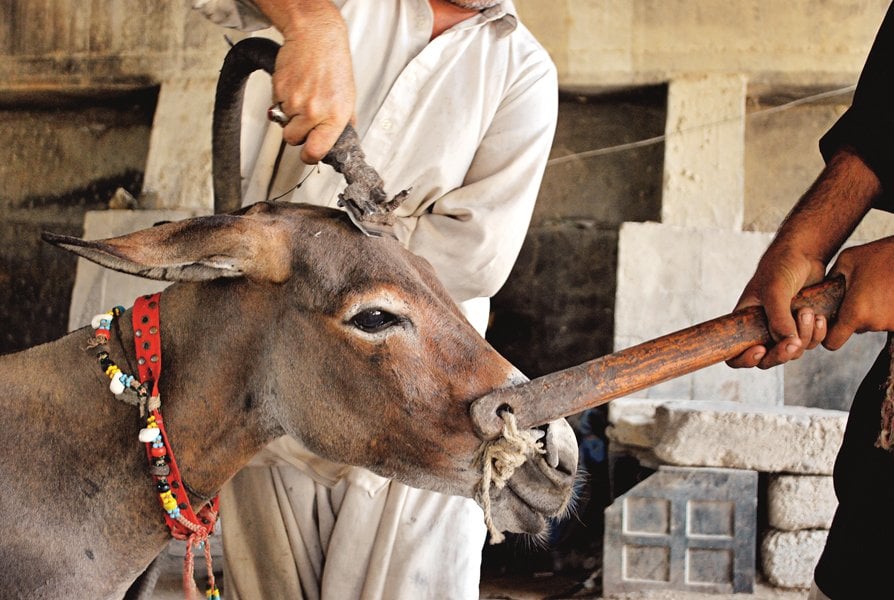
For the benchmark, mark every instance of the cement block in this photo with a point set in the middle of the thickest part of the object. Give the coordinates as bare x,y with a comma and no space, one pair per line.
774,439
797,502
683,529
98,289
670,278
788,557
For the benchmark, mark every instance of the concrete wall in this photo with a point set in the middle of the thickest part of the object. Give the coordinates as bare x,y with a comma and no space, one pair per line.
621,42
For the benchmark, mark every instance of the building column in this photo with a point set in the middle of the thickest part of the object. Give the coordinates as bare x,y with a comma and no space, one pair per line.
704,156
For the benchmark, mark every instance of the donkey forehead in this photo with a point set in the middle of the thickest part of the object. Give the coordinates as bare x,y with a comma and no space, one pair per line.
341,263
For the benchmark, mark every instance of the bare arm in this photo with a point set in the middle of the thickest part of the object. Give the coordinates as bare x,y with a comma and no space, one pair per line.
807,240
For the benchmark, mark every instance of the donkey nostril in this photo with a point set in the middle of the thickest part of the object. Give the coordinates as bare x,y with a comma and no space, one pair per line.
504,408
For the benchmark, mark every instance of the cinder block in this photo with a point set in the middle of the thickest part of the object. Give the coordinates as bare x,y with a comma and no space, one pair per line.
788,557
683,529
797,502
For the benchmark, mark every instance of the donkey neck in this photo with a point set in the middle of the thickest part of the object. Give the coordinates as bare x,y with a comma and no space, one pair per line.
207,384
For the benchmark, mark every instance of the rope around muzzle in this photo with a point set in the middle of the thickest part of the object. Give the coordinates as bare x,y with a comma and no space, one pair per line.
498,460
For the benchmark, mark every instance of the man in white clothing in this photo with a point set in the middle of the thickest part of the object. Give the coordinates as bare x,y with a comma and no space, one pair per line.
456,102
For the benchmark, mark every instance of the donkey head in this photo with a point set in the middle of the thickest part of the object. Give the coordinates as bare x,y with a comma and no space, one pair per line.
360,353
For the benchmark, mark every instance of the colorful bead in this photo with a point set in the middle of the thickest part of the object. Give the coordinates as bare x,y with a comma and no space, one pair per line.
116,387
102,321
157,452
212,593
149,434
168,501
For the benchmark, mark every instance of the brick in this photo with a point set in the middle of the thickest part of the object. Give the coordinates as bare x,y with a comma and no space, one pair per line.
632,422
788,557
800,502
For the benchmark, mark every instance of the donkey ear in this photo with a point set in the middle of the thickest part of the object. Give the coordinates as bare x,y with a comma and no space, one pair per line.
198,249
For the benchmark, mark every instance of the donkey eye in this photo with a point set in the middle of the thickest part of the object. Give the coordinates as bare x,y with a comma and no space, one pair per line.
373,319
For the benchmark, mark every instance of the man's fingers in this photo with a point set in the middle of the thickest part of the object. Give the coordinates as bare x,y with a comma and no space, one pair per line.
843,327
819,332
811,329
319,142
748,359
838,335
296,130
781,323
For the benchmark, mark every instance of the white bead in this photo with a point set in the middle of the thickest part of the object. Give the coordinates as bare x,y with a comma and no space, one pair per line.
96,320
116,386
148,434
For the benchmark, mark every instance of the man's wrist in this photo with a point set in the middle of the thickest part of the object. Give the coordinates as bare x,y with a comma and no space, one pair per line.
296,18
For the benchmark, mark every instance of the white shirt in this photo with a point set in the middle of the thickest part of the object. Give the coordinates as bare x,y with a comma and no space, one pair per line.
464,121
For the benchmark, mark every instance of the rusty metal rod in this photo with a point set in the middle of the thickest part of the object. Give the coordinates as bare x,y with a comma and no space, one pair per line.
597,381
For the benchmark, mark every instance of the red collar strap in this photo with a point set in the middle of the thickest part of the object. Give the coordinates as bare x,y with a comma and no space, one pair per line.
182,521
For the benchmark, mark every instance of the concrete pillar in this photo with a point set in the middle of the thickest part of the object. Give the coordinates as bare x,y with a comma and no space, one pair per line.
705,152
178,169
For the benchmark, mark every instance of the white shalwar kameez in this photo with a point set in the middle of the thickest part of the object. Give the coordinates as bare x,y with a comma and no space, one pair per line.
465,122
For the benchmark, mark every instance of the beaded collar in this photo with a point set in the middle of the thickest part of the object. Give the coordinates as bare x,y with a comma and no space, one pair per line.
182,521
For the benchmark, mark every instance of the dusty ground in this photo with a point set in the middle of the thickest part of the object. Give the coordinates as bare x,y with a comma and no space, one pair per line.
543,588
559,588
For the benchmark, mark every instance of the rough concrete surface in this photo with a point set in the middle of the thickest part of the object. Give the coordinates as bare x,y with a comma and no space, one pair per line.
788,557
554,587
800,502
772,439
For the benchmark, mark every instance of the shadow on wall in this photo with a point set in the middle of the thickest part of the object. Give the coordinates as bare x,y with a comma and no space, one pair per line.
61,154
556,310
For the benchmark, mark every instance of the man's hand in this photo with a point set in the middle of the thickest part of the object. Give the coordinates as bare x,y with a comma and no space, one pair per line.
806,241
313,78
867,304
781,274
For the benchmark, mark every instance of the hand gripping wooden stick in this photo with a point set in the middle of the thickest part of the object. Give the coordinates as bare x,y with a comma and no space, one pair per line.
597,381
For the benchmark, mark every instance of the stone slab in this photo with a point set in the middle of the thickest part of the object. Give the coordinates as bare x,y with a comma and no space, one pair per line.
796,502
788,557
774,439
683,529
98,289
632,422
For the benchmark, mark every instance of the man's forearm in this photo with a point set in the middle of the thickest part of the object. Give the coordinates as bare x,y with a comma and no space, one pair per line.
832,208
291,17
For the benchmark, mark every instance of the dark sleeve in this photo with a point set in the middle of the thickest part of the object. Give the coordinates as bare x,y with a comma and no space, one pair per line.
868,125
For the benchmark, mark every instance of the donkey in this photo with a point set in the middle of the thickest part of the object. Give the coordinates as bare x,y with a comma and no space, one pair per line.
283,320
